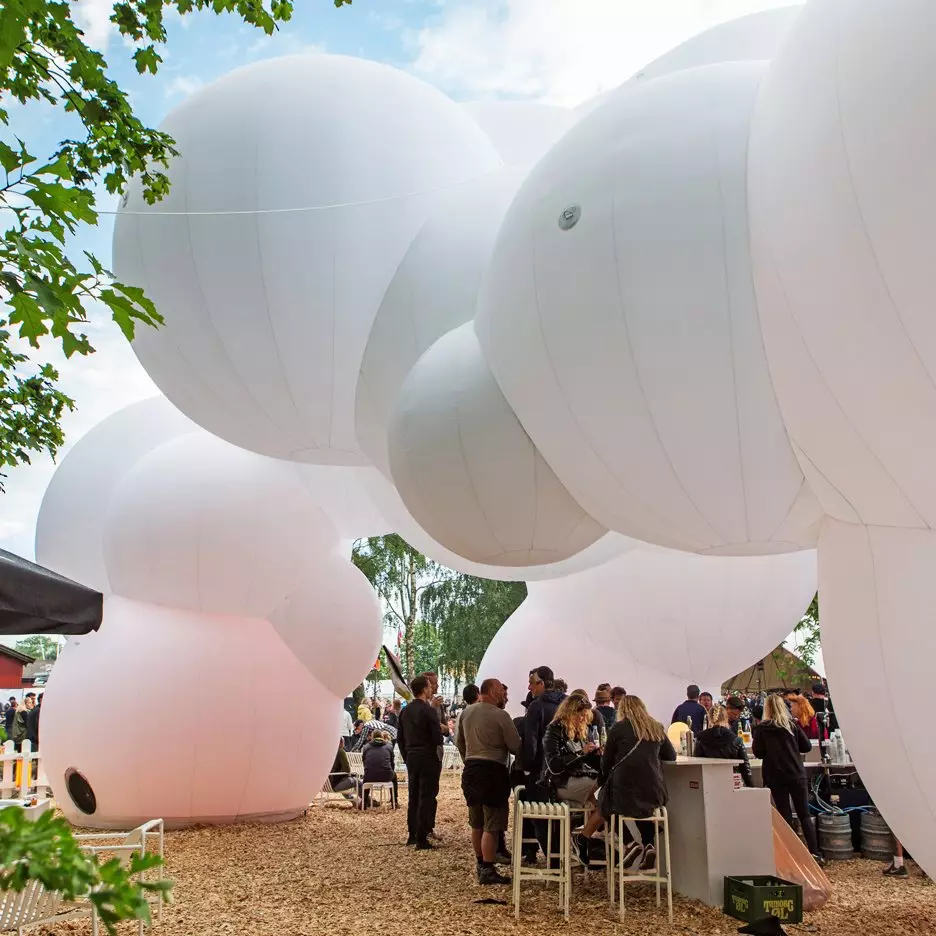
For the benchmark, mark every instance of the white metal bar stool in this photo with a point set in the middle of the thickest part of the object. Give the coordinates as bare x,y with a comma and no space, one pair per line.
377,791
558,848
661,873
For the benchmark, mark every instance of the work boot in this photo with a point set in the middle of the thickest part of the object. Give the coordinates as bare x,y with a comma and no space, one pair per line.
488,874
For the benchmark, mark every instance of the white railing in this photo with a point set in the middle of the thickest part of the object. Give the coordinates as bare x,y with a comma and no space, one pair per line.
21,772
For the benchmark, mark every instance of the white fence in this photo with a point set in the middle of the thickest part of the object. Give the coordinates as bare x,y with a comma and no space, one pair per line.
21,772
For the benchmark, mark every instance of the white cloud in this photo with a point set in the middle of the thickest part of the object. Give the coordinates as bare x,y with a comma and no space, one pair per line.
93,19
183,86
561,51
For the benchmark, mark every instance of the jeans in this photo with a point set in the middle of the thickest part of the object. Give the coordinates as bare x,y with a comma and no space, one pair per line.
797,792
423,771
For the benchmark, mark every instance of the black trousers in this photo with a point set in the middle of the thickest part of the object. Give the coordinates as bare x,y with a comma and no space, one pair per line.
797,793
435,800
423,772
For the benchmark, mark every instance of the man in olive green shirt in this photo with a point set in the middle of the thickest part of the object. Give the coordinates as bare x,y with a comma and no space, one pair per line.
486,738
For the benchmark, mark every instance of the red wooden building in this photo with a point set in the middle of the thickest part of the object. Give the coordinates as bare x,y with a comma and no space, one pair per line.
12,664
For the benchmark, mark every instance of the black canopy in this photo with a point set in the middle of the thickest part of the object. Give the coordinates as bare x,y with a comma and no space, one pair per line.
35,600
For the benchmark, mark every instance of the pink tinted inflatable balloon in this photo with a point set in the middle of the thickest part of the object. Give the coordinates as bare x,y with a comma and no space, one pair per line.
187,717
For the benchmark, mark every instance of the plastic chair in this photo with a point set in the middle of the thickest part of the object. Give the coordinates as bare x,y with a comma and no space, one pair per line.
556,815
376,787
652,875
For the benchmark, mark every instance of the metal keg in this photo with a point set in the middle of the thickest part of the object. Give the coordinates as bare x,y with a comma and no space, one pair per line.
835,837
877,840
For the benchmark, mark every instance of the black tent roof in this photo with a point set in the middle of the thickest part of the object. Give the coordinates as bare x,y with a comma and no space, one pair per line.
36,600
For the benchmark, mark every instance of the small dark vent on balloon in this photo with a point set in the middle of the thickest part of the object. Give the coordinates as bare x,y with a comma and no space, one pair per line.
80,791
570,217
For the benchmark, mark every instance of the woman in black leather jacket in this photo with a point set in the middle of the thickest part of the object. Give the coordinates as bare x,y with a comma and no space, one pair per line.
570,761
721,742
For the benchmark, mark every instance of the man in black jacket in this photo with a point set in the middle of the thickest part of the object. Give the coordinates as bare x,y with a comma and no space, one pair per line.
539,714
420,740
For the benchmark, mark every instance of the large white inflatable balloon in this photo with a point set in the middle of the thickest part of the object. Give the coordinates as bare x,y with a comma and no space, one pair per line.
178,739
434,290
533,636
70,526
300,184
332,622
362,502
755,37
467,471
877,592
522,131
670,615
618,316
843,208
201,525
752,38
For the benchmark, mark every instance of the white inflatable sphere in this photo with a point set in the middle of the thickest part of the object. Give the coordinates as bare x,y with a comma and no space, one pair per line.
522,131
434,290
752,38
532,637
755,37
618,316
333,623
843,211
878,641
362,502
189,742
327,167
70,526
201,525
662,617
467,471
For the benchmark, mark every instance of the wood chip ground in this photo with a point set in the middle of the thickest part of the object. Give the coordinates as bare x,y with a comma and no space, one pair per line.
336,871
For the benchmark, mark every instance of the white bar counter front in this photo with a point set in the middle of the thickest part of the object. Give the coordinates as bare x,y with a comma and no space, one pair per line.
715,830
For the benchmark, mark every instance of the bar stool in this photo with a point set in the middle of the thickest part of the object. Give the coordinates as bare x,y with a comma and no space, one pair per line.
654,875
377,791
560,838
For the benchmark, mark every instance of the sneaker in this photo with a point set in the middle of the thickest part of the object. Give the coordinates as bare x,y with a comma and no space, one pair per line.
490,875
891,871
633,855
648,862
503,857
425,846
582,846
819,859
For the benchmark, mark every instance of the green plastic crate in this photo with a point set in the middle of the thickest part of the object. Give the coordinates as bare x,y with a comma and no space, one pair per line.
759,896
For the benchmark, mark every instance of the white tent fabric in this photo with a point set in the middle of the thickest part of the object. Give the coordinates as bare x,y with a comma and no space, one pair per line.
628,343
323,169
467,471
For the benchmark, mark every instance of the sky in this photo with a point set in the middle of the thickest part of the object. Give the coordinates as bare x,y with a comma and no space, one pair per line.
555,51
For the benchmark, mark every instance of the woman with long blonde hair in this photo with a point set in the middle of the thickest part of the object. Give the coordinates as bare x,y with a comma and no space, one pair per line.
632,779
570,760
780,741
719,740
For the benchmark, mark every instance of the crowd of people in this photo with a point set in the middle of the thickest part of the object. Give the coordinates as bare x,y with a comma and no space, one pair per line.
602,754
21,721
